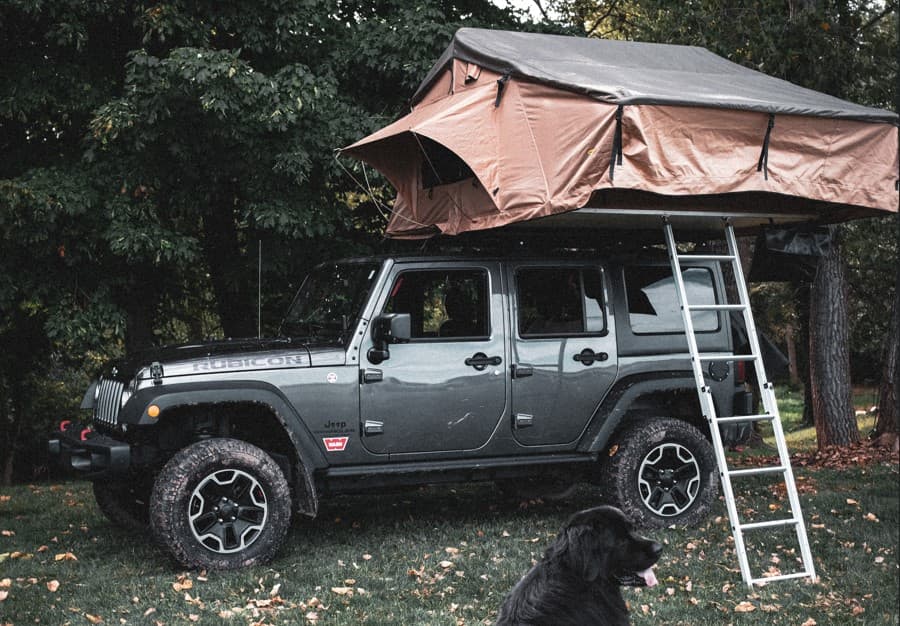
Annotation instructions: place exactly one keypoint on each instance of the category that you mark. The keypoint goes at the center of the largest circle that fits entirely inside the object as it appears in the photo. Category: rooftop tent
(509, 127)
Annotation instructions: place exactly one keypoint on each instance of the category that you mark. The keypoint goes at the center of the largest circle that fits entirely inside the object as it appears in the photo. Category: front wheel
(221, 504)
(125, 502)
(661, 471)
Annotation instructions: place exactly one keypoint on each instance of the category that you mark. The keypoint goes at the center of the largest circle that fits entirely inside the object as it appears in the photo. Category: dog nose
(656, 549)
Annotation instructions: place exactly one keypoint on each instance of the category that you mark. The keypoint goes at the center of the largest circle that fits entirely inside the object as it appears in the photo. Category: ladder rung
(756, 470)
(705, 257)
(728, 357)
(744, 418)
(769, 579)
(716, 307)
(777, 522)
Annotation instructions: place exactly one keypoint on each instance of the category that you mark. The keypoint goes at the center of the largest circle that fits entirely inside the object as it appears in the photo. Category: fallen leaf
(275, 590)
(93, 619)
(6, 583)
(871, 517)
(65, 556)
(367, 557)
(809, 622)
(181, 585)
(452, 551)
(193, 617)
(879, 559)
(43, 549)
(744, 607)
(857, 610)
(149, 611)
(3, 595)
(342, 591)
(446, 564)
(52, 585)
(851, 501)
(5, 498)
(8, 533)
(670, 591)
(312, 616)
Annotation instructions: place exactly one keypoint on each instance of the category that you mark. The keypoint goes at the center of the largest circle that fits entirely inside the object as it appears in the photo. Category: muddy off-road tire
(123, 503)
(221, 504)
(661, 471)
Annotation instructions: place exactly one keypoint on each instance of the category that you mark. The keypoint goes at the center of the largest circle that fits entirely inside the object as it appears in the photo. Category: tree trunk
(886, 424)
(228, 269)
(829, 352)
(790, 338)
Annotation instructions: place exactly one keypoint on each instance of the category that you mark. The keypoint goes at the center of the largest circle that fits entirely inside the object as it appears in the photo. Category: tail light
(740, 372)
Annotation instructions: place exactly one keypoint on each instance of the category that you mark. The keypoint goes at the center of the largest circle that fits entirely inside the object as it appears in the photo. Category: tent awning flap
(545, 147)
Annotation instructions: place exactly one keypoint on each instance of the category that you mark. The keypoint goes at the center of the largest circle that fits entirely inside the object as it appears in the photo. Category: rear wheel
(660, 472)
(221, 504)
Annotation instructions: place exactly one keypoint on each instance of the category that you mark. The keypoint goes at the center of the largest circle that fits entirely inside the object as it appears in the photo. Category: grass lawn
(442, 555)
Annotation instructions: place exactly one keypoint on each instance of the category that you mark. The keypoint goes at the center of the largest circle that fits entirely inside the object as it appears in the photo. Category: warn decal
(335, 444)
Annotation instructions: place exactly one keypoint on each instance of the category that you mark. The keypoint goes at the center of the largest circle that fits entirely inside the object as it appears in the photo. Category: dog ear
(582, 552)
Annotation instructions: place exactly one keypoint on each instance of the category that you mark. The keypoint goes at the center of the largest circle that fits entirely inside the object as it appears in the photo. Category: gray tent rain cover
(509, 126)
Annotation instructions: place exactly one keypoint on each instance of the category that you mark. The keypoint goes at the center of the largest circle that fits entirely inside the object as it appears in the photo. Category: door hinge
(524, 420)
(371, 427)
(368, 376)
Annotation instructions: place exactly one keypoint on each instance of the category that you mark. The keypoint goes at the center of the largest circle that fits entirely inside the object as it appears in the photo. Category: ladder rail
(770, 404)
(707, 405)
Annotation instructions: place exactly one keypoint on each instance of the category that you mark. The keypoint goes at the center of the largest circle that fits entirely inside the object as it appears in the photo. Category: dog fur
(578, 579)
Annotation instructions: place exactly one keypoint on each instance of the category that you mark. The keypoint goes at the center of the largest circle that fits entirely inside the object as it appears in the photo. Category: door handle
(588, 356)
(480, 360)
(372, 427)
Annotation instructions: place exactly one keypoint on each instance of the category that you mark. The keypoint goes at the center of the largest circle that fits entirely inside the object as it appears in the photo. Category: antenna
(259, 292)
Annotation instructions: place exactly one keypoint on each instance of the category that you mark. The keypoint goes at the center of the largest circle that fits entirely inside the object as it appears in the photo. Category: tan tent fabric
(546, 150)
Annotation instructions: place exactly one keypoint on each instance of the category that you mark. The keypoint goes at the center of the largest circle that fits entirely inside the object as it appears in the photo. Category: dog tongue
(648, 576)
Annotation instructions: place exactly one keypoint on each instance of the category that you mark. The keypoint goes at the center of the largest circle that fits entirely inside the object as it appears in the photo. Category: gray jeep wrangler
(534, 372)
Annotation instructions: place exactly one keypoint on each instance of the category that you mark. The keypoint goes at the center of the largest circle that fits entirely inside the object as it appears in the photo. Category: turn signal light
(153, 411)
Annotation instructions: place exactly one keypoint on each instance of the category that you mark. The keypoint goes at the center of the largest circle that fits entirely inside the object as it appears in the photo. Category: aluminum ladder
(769, 404)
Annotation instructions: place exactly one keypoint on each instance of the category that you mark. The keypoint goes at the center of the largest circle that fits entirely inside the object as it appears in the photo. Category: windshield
(329, 302)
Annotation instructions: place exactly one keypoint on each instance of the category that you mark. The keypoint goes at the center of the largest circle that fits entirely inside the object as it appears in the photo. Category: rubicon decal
(335, 444)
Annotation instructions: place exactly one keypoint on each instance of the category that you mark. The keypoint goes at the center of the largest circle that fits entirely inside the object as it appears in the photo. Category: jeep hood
(225, 356)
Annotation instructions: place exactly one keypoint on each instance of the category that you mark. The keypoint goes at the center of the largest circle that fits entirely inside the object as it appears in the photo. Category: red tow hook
(85, 433)
(63, 425)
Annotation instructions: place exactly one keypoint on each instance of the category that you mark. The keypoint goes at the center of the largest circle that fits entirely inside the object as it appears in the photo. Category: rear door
(445, 390)
(563, 347)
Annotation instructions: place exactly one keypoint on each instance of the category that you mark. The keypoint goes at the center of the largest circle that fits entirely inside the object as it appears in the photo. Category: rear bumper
(94, 455)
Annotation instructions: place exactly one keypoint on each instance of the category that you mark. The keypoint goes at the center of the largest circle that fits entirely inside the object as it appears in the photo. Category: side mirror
(388, 329)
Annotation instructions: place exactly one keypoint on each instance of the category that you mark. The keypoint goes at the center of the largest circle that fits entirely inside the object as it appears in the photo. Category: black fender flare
(167, 397)
(621, 397)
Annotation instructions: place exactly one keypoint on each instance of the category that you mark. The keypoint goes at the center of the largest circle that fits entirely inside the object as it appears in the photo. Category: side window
(442, 303)
(559, 301)
(653, 305)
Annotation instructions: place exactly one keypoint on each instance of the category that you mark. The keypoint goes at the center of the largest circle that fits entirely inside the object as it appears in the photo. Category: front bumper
(74, 447)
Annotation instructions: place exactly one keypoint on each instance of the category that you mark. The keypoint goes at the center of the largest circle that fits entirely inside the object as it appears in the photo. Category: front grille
(106, 407)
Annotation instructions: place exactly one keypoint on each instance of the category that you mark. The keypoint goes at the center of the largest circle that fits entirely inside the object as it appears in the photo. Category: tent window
(441, 166)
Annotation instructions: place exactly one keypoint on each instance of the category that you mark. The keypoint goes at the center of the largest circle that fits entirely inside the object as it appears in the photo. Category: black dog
(577, 581)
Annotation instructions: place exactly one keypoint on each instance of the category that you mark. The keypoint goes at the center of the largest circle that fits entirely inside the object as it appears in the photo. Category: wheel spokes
(227, 511)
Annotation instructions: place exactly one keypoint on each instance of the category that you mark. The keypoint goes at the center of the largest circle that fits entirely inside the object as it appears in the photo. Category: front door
(445, 390)
(564, 350)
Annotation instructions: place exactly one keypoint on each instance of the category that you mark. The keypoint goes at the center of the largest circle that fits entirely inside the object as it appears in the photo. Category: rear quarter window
(653, 304)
